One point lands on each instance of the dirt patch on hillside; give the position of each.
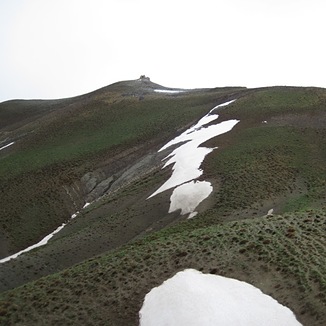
(117, 218)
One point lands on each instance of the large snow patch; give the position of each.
(187, 159)
(195, 299)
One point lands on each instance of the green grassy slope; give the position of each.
(75, 138)
(19, 112)
(257, 166)
(284, 155)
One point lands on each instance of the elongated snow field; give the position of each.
(187, 159)
(5, 146)
(43, 242)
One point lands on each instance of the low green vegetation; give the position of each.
(100, 126)
(263, 103)
(290, 249)
(265, 160)
(261, 164)
(105, 124)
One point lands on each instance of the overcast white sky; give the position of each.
(62, 48)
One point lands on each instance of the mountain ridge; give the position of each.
(102, 147)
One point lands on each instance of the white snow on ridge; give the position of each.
(169, 91)
(3, 147)
(195, 299)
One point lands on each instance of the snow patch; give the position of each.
(221, 105)
(191, 215)
(188, 196)
(168, 91)
(86, 204)
(194, 299)
(187, 159)
(3, 147)
(270, 212)
(74, 215)
(43, 242)
(185, 136)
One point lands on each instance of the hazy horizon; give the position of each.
(68, 48)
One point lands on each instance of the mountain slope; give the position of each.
(274, 158)
(55, 151)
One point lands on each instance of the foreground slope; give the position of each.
(109, 289)
(273, 159)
